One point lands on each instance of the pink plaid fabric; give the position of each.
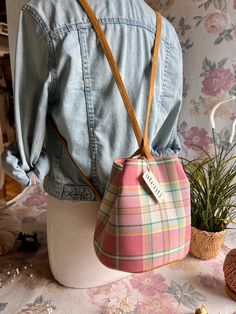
(136, 233)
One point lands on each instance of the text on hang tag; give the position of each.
(154, 185)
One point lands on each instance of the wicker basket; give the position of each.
(206, 245)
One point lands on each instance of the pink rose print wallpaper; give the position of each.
(207, 32)
(217, 80)
(196, 136)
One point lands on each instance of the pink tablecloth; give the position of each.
(27, 285)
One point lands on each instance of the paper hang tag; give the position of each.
(154, 185)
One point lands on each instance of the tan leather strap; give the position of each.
(52, 125)
(142, 142)
(145, 146)
(153, 77)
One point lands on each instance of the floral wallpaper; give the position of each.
(207, 32)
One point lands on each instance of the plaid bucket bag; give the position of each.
(144, 220)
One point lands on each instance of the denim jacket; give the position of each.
(61, 70)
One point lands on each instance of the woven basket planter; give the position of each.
(206, 245)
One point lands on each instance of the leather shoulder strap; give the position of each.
(119, 81)
(153, 76)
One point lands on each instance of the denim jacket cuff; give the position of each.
(11, 165)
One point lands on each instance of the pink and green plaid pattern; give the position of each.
(136, 233)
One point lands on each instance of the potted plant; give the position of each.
(213, 190)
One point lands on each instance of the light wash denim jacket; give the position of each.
(61, 70)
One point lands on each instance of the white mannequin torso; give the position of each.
(70, 228)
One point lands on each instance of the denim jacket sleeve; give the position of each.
(31, 89)
(173, 116)
(168, 142)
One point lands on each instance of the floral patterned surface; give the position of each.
(28, 287)
(207, 32)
